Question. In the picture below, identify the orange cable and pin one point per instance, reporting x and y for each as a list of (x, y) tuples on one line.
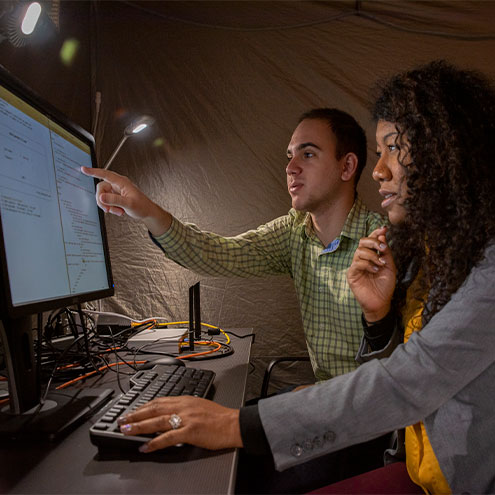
[(203, 353), (106, 366)]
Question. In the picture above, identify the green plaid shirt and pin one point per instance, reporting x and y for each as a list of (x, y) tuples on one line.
[(288, 245)]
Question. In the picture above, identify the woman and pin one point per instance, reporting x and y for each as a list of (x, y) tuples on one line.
[(435, 142)]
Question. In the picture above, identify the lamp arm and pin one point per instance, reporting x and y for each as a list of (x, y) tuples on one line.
[(116, 150)]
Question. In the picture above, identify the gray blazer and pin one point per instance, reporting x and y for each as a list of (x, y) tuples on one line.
[(444, 376)]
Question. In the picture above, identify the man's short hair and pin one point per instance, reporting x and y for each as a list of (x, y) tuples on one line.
[(350, 136)]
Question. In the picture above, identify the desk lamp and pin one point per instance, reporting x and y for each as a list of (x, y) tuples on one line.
[(134, 128)]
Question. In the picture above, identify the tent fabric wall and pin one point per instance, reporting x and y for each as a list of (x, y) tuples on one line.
[(226, 83)]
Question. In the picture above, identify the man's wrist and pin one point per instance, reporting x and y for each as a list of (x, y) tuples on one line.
[(158, 221)]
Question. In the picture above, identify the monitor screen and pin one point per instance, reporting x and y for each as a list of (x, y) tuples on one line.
[(54, 250)]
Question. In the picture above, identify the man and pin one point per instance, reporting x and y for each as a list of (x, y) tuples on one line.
[(314, 243)]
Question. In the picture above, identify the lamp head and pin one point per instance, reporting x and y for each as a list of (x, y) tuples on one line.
[(134, 128), (138, 125)]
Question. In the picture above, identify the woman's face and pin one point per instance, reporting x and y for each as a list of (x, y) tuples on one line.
[(389, 172)]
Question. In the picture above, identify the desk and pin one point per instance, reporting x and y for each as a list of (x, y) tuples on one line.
[(74, 465)]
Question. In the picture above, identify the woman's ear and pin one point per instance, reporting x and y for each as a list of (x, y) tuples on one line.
[(349, 167)]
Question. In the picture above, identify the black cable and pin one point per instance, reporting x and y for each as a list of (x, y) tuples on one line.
[(132, 329), (227, 351), (86, 336), (242, 336), (118, 361), (39, 333), (57, 363)]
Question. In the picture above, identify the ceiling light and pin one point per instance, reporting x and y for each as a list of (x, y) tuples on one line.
[(31, 18)]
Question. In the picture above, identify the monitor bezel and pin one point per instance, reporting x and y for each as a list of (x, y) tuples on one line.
[(7, 308)]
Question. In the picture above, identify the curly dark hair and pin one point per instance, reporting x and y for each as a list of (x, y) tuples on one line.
[(447, 116)]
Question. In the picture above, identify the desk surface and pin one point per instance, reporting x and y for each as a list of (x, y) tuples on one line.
[(74, 465)]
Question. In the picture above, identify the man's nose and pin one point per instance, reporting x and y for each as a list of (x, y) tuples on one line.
[(293, 166)]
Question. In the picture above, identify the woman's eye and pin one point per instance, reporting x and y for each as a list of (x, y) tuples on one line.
[(379, 154), (391, 147)]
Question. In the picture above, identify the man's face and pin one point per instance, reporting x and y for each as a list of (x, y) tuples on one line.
[(313, 172)]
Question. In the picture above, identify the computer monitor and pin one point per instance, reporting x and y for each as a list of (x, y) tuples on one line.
[(53, 248)]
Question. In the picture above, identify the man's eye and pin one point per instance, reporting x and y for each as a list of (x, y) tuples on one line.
[(308, 154)]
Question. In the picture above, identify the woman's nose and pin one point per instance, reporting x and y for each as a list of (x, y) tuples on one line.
[(381, 171)]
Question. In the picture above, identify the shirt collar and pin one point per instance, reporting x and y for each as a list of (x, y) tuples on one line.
[(354, 226)]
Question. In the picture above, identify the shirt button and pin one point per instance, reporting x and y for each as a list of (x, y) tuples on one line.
[(296, 450), (329, 436), (317, 442), (307, 445)]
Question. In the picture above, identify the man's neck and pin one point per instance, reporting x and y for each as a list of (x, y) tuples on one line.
[(328, 222)]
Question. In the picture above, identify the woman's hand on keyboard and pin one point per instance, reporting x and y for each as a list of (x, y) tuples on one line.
[(203, 423)]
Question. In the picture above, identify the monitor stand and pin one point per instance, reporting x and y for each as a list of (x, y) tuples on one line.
[(61, 411)]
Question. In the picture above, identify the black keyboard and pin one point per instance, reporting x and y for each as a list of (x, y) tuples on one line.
[(161, 381)]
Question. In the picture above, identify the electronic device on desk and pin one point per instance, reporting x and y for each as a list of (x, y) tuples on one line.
[(197, 344), (162, 380), (53, 250)]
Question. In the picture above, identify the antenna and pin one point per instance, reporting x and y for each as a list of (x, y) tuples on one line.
[(194, 315)]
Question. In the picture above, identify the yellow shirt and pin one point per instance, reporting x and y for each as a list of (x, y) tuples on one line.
[(421, 462)]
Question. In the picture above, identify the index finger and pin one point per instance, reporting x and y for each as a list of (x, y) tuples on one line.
[(106, 175), (378, 232)]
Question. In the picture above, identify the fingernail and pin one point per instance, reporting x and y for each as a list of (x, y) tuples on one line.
[(122, 420), (125, 428), (143, 447), (375, 268), (382, 261), (382, 246)]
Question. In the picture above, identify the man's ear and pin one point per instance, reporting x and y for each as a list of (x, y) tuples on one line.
[(349, 167)]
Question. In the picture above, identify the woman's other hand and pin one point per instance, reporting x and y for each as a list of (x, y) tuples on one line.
[(372, 275)]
